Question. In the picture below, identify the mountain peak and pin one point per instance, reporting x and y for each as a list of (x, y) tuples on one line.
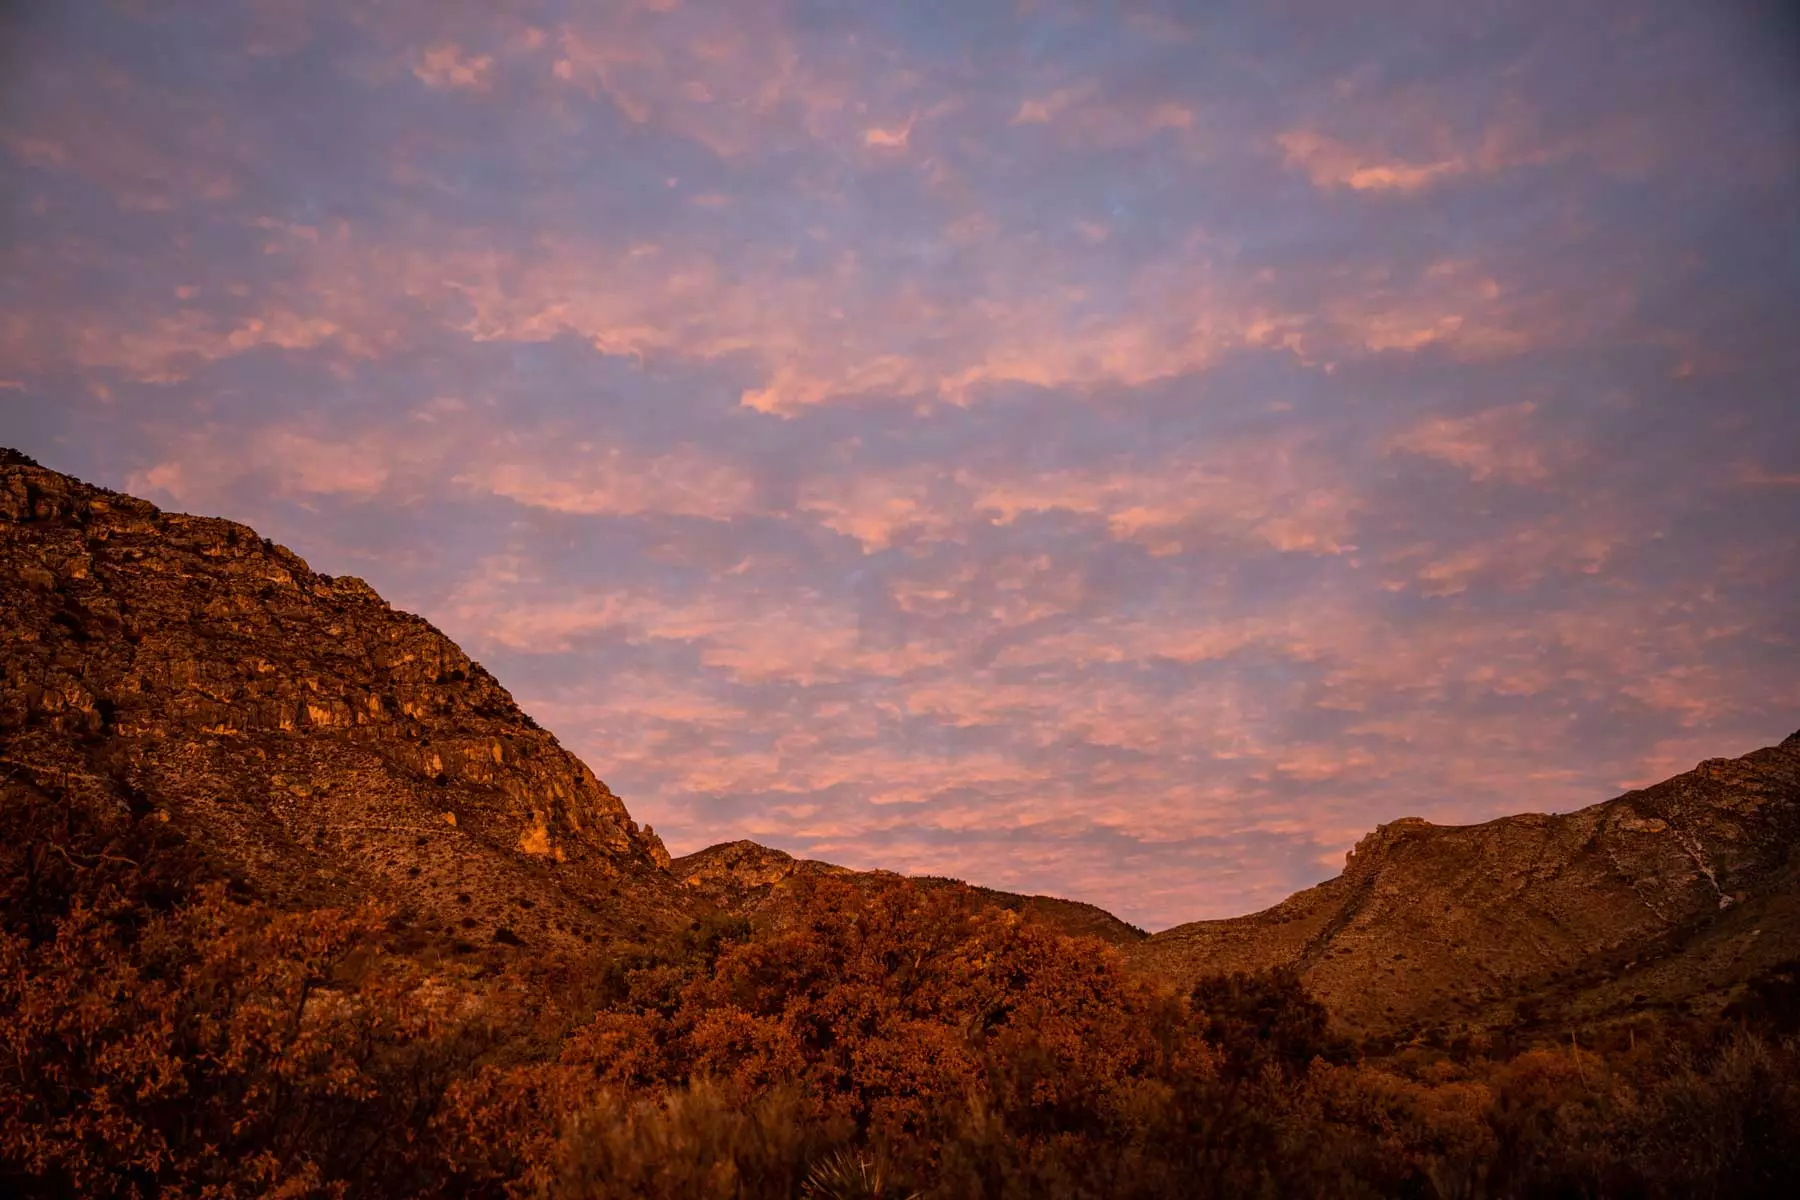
[(319, 743), (1666, 894)]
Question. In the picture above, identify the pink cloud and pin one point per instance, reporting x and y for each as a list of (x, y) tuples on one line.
[(893, 137), (1279, 493), (1331, 163), (1498, 443), (447, 65), (730, 82), (587, 479), (207, 466)]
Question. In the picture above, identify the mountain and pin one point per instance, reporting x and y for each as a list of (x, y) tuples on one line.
[(315, 744), (311, 745), (1671, 896), (748, 880)]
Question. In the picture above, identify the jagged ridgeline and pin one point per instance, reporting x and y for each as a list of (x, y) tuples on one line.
[(316, 744), (318, 747), (1674, 896)]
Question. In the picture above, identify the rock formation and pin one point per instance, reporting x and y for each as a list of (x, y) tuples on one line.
[(317, 744), (748, 879), (1672, 895)]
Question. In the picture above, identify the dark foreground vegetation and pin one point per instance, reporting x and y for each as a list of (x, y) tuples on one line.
[(161, 1040)]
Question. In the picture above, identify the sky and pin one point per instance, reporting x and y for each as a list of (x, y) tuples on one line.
[(1122, 451)]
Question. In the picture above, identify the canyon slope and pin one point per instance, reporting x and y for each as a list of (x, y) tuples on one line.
[(1671, 896), (750, 880), (315, 744)]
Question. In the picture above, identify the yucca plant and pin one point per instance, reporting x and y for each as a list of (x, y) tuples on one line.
[(852, 1175)]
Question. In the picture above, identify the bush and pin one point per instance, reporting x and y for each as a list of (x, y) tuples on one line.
[(880, 1040), (218, 1050), (1262, 1020)]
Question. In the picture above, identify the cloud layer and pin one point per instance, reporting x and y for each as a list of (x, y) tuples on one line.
[(1100, 450)]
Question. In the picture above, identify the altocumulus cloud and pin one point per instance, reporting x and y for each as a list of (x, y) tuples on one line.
[(1122, 451)]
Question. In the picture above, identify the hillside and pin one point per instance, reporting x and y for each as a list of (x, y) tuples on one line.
[(315, 744), (1669, 897), (749, 879)]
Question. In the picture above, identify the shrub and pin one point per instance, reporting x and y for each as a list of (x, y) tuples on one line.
[(1262, 1020), (878, 1040), (219, 1050)]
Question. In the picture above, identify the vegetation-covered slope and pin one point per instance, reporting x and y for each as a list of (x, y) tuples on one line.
[(751, 880)]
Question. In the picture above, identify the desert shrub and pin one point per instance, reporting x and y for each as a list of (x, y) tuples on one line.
[(1262, 1020), (875, 1040), (60, 849), (217, 1050), (889, 1008), (1771, 1003), (1711, 1122), (700, 1143), (853, 1175), (974, 1054)]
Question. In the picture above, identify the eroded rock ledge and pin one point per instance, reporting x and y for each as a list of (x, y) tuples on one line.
[(319, 743)]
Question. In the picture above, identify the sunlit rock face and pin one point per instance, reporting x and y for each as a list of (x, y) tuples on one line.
[(322, 747), (1672, 895), (318, 744)]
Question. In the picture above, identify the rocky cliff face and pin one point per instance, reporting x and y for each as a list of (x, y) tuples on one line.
[(1671, 895), (317, 744), (748, 879)]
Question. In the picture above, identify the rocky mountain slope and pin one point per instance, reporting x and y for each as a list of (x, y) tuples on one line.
[(313, 745), (1672, 895), (748, 879), (316, 744)]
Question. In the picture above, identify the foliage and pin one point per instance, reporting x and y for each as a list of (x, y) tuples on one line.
[(875, 1041), (217, 1051), (1772, 1000), (1263, 1021)]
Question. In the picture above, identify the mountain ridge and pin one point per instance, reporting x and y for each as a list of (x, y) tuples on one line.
[(747, 879), (316, 744), (1671, 894), (314, 741)]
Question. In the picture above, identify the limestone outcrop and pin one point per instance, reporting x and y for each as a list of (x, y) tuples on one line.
[(317, 744), (1672, 895)]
